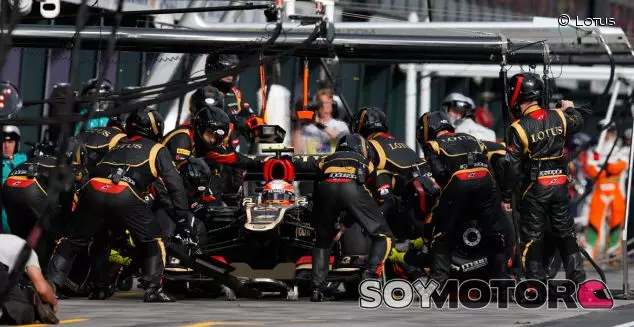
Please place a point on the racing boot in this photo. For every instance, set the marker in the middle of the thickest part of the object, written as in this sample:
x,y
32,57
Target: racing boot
x,y
573,265
379,250
152,270
572,259
60,266
440,260
99,292
99,252
321,257
534,270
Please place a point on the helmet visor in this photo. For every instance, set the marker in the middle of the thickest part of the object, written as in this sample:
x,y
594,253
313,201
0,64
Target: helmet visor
x,y
460,106
277,197
214,136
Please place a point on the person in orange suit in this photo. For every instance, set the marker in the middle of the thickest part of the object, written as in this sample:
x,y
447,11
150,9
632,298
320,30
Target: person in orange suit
x,y
607,200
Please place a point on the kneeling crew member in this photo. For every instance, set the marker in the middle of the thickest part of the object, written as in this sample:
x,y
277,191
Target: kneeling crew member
x,y
536,155
114,199
341,186
459,163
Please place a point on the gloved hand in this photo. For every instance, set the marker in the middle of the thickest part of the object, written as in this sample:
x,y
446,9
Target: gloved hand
x,y
184,230
417,244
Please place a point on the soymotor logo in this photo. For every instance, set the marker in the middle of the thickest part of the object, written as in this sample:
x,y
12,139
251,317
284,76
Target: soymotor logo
x,y
399,294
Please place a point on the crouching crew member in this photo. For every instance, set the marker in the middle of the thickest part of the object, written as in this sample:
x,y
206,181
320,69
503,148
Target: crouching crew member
x,y
114,199
459,164
341,187
26,192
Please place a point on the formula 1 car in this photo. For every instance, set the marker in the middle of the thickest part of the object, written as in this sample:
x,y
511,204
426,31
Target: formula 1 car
x,y
267,239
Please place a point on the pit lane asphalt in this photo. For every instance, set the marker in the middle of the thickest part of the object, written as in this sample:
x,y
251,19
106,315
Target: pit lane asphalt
x,y
127,309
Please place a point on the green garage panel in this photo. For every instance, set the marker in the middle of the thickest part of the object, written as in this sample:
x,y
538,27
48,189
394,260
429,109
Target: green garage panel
x,y
350,84
32,82
129,72
396,110
249,84
375,82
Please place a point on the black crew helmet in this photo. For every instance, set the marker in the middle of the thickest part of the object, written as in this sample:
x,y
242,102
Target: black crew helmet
x,y
202,98
196,175
430,124
521,88
212,120
218,63
118,120
369,120
355,143
145,122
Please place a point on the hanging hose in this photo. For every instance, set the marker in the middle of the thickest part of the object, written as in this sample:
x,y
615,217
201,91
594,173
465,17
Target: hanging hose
x,y
305,94
305,114
263,88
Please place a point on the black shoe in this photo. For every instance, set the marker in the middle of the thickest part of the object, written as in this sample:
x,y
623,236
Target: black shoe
x,y
157,295
368,274
316,296
100,293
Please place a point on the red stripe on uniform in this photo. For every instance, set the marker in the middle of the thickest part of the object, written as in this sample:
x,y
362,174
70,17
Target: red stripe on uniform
x,y
19,183
222,158
338,180
107,187
552,180
468,175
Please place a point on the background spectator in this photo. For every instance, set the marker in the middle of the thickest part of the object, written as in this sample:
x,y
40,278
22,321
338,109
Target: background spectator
x,y
321,135
11,158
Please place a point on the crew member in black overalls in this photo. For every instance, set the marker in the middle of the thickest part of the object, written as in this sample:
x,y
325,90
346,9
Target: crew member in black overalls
x,y
114,199
540,169
340,187
399,169
26,194
99,140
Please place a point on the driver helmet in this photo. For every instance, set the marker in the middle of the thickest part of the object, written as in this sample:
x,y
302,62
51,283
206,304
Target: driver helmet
x,y
278,192
457,102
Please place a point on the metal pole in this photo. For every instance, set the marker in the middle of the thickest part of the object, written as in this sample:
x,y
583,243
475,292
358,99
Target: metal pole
x,y
410,99
626,286
608,114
